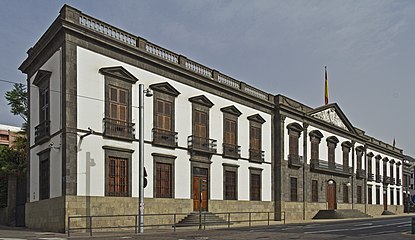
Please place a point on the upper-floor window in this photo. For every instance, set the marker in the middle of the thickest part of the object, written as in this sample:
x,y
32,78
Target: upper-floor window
x,y
377,165
346,153
230,132
331,151
118,103
255,138
42,80
315,139
199,141
164,114
359,155
294,133
369,163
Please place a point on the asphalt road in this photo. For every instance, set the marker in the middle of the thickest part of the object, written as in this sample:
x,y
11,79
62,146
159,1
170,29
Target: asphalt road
x,y
379,228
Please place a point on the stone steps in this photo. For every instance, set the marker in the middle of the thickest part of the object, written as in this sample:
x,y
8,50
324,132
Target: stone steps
x,y
207,218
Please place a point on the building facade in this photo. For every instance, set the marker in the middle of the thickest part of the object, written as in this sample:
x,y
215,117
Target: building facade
x,y
7,134
253,150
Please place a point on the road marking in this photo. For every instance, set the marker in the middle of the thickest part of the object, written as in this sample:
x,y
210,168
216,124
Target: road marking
x,y
12,239
363,224
53,238
350,229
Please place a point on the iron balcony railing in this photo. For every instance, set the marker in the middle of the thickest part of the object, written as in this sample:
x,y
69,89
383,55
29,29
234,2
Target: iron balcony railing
x,y
294,160
256,155
231,150
370,177
42,131
118,129
399,182
386,180
330,167
164,138
200,144
361,173
378,178
392,181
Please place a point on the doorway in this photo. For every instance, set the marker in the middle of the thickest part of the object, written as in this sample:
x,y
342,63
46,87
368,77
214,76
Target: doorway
x,y
200,189
331,195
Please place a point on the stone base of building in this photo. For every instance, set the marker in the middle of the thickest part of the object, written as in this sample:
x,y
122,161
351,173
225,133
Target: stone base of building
x,y
377,210
46,215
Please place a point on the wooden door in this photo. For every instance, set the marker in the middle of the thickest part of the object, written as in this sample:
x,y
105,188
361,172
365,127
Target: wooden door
x,y
200,194
331,195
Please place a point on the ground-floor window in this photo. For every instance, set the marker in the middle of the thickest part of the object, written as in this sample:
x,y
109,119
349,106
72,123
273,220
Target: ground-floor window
x,y
377,195
163,180
117,171
392,196
398,197
359,194
369,194
230,185
293,189
255,184
345,193
44,175
314,190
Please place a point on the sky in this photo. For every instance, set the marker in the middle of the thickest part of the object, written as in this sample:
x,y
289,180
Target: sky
x,y
278,46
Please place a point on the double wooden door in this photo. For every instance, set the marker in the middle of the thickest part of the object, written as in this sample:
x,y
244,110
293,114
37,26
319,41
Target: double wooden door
x,y
200,189
331,195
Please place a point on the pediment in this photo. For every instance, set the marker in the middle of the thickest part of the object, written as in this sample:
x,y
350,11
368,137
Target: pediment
x,y
256,118
119,73
202,100
41,76
231,110
333,115
165,87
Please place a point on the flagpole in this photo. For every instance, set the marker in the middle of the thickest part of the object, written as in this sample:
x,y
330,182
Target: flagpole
x,y
326,87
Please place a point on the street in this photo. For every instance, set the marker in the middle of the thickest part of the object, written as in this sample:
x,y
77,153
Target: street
x,y
378,228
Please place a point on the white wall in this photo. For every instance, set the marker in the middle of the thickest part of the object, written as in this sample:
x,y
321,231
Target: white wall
x,y
53,65
91,112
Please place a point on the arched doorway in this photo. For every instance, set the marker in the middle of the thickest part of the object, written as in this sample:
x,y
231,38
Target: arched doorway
x,y
331,195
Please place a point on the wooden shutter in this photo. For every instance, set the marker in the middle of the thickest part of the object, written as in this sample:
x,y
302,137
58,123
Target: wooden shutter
x,y
255,187
314,190
255,138
163,180
230,132
230,185
118,104
117,179
164,115
200,124
293,184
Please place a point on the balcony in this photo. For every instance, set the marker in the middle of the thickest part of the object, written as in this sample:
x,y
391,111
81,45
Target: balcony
x,y
378,178
202,145
118,129
392,181
370,177
42,131
164,138
231,151
360,173
386,180
256,155
330,168
295,161
399,182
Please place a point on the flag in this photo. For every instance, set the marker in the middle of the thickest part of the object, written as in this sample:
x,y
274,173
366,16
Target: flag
x,y
326,90
394,142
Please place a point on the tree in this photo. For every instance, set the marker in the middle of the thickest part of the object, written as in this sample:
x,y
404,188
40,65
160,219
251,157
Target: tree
x,y
13,158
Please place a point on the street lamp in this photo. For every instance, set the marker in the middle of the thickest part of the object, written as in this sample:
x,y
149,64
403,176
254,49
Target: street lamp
x,y
141,153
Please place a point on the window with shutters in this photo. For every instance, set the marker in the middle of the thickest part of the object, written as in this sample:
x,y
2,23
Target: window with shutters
x,y
314,190
331,154
163,180
294,132
164,115
117,177
359,194
230,185
199,142
345,193
377,195
315,139
392,199
369,194
44,174
293,189
255,186
118,108
255,138
42,81
230,132
398,197
117,171
346,154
